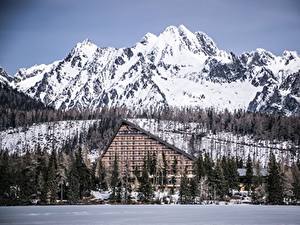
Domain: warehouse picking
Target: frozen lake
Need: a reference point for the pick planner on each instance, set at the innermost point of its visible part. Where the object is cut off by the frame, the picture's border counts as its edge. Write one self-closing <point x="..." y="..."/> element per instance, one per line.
<point x="151" y="214"/>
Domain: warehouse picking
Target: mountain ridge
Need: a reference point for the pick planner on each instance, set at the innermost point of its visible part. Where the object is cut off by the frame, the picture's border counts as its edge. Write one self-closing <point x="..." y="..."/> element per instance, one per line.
<point x="175" y="68"/>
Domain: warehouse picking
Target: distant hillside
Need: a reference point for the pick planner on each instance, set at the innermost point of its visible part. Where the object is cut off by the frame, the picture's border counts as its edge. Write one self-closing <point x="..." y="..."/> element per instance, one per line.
<point x="17" y="108"/>
<point x="15" y="100"/>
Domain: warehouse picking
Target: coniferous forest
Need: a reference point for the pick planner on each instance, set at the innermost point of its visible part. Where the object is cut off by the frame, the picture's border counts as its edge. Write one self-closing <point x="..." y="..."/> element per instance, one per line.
<point x="64" y="176"/>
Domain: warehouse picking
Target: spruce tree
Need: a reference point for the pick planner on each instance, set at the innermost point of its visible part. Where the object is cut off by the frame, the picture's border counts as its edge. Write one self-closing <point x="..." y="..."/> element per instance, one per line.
<point x="164" y="169"/>
<point x="193" y="189"/>
<point x="174" y="173"/>
<point x="199" y="169"/>
<point x="208" y="167"/>
<point x="274" y="182"/>
<point x="84" y="175"/>
<point x="258" y="189"/>
<point x="153" y="164"/>
<point x="184" y="192"/>
<point x="249" y="174"/>
<point x="126" y="184"/>
<point x="219" y="181"/>
<point x="119" y="192"/>
<point x="73" y="190"/>
<point x="5" y="176"/>
<point x="225" y="165"/>
<point x="115" y="180"/>
<point x="52" y="181"/>
<point x="145" y="189"/>
<point x="41" y="175"/>
<point x="94" y="176"/>
<point x="233" y="176"/>
<point x="102" y="176"/>
<point x="27" y="178"/>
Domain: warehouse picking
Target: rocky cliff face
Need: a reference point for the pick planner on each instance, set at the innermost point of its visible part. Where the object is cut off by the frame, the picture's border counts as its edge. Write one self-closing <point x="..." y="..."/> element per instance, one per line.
<point x="175" y="68"/>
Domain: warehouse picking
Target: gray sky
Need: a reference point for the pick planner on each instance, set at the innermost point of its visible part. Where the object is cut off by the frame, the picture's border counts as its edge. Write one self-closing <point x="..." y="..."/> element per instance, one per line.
<point x="42" y="31"/>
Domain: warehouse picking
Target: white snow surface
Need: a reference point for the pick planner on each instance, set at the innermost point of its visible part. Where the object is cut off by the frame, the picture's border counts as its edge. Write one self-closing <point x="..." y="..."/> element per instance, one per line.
<point x="151" y="215"/>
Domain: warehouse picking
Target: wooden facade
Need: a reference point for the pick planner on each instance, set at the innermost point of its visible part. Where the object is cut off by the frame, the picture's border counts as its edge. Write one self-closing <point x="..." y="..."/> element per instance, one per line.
<point x="131" y="144"/>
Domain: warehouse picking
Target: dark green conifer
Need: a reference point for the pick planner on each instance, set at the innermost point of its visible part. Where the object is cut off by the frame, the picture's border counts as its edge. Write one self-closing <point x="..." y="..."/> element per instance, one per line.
<point x="115" y="180"/>
<point x="274" y="182"/>
<point x="249" y="174"/>
<point x="184" y="191"/>
<point x="145" y="189"/>
<point x="73" y="190"/>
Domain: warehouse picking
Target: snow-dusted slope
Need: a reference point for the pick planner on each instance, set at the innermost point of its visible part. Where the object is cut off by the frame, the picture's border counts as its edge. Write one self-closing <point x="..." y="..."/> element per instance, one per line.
<point x="47" y="135"/>
<point x="194" y="138"/>
<point x="190" y="137"/>
<point x="177" y="68"/>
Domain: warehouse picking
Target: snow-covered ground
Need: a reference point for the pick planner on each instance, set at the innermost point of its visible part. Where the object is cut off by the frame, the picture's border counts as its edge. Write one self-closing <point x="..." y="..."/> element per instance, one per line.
<point x="47" y="135"/>
<point x="151" y="215"/>
<point x="190" y="137"/>
<point x="219" y="144"/>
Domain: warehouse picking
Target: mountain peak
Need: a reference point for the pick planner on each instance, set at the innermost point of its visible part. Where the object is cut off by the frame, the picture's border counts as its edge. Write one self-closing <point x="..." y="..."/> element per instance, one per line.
<point x="4" y="77"/>
<point x="195" y="42"/>
<point x="148" y="38"/>
<point x="86" y="48"/>
<point x="183" y="28"/>
<point x="87" y="42"/>
<point x="171" y="28"/>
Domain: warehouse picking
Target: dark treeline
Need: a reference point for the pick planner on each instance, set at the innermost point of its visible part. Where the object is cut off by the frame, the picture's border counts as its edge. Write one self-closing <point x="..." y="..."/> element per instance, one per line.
<point x="220" y="180"/>
<point x="62" y="177"/>
<point x="44" y="177"/>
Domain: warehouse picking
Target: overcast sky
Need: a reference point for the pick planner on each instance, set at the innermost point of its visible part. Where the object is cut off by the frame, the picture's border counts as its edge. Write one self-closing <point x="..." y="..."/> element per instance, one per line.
<point x="42" y="31"/>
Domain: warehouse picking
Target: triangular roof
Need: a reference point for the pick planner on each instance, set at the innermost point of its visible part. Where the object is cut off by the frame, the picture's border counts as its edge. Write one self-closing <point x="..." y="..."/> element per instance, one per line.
<point x="125" y="122"/>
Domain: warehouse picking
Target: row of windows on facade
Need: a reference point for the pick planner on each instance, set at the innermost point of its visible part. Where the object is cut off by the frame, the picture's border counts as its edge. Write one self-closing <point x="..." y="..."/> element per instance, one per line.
<point x="130" y="136"/>
<point x="145" y="142"/>
<point x="120" y="153"/>
<point x="139" y="167"/>
<point x="140" y="151"/>
<point x="140" y="147"/>
<point x="140" y="159"/>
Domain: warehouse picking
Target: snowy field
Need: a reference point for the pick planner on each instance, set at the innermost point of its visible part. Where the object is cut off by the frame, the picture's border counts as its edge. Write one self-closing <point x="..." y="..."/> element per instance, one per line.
<point x="151" y="215"/>
<point x="219" y="144"/>
<point x="45" y="134"/>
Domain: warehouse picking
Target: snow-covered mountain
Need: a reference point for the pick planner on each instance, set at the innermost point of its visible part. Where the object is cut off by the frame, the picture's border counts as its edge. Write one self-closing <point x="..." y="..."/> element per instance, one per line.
<point x="175" y="68"/>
